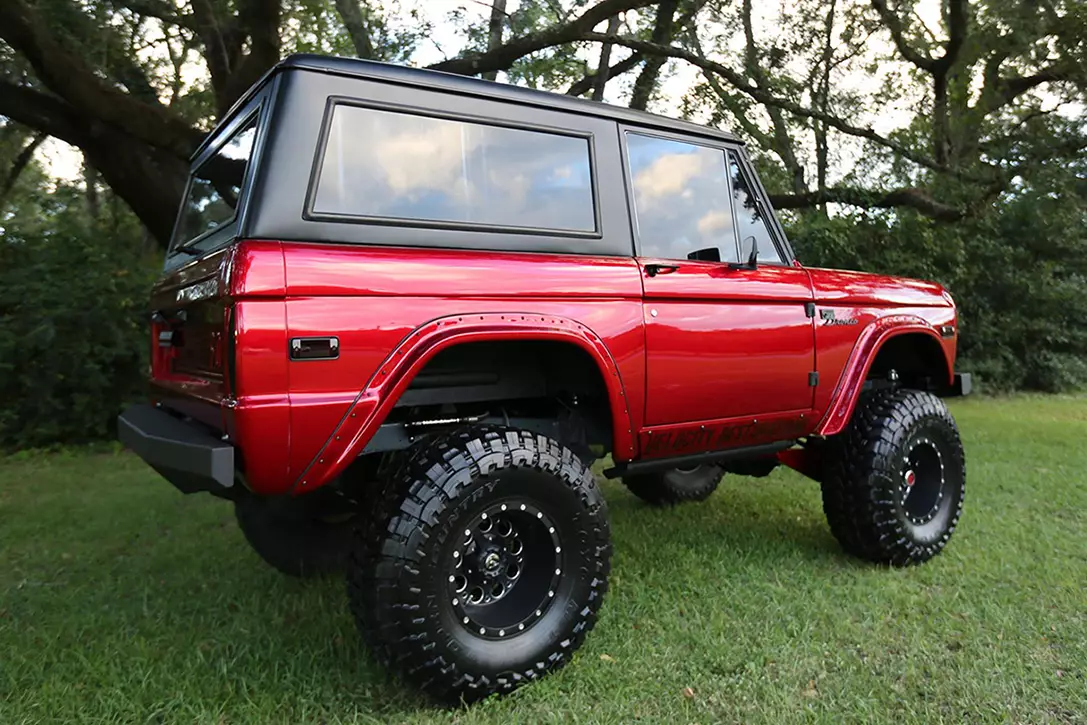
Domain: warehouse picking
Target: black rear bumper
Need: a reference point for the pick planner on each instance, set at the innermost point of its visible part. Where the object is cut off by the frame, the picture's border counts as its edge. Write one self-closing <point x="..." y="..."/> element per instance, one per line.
<point x="187" y="456"/>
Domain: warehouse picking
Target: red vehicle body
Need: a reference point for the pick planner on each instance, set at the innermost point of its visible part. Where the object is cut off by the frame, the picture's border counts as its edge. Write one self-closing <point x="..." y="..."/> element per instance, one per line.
<point x="659" y="341"/>
<point x="413" y="353"/>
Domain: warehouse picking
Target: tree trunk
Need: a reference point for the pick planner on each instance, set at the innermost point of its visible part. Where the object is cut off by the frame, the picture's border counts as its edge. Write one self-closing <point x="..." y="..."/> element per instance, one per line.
<point x="90" y="181"/>
<point x="494" y="31"/>
<point x="601" y="78"/>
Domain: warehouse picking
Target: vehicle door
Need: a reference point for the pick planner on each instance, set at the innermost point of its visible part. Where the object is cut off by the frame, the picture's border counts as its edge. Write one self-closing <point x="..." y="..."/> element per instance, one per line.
<point x="726" y="342"/>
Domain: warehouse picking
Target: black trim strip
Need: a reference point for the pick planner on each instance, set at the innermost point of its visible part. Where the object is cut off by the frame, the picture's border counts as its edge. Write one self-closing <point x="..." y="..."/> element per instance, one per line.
<point x="664" y="464"/>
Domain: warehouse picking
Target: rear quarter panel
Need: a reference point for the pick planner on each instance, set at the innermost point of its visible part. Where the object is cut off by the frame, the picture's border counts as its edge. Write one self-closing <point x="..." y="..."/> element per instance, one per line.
<point x="375" y="298"/>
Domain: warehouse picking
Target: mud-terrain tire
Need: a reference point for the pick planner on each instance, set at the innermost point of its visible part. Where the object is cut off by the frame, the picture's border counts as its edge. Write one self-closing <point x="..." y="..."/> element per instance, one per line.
<point x="491" y="565"/>
<point x="296" y="542"/>
<point x="668" y="488"/>
<point x="894" y="480"/>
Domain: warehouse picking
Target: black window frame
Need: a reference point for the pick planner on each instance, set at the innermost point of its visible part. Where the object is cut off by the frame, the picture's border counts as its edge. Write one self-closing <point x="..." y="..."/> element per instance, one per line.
<point x="256" y="113"/>
<point x="773" y="225"/>
<point x="777" y="234"/>
<point x="624" y="132"/>
<point x="335" y="101"/>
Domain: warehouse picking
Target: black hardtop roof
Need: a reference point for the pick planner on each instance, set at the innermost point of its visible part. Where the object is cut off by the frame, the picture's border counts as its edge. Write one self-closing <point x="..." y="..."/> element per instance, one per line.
<point x="469" y="86"/>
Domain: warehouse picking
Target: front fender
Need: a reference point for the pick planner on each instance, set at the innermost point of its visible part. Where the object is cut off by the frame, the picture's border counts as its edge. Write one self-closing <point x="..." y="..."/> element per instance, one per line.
<point x="868" y="344"/>
<point x="377" y="398"/>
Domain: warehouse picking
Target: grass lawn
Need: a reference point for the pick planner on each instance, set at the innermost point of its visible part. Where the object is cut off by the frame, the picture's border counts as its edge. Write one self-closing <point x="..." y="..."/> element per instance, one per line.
<point x="124" y="601"/>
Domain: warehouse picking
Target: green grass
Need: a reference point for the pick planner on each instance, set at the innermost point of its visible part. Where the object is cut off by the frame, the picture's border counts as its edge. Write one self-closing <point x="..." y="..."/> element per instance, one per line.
<point x="123" y="601"/>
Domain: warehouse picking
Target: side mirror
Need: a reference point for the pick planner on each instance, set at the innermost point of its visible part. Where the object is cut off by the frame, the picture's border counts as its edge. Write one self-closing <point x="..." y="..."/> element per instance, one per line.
<point x="752" y="245"/>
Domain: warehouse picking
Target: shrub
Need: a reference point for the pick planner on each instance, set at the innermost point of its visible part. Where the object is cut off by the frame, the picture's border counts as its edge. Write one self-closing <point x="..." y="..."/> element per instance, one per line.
<point x="73" y="333"/>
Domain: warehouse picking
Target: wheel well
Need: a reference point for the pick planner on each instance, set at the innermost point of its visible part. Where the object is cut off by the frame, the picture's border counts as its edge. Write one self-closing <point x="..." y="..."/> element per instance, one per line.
<point x="916" y="358"/>
<point x="513" y="379"/>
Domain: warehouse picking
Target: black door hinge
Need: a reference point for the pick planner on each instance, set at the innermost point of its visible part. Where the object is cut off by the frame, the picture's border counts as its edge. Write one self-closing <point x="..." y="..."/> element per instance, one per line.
<point x="813" y="379"/>
<point x="809" y="309"/>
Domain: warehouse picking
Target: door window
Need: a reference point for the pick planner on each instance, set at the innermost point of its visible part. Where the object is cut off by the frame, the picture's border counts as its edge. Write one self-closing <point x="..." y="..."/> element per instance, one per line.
<point x="681" y="200"/>
<point x="750" y="215"/>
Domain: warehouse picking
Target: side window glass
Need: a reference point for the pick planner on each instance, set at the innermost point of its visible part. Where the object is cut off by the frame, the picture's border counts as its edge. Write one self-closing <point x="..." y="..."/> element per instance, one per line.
<point x="393" y="165"/>
<point x="750" y="221"/>
<point x="216" y="184"/>
<point x="681" y="202"/>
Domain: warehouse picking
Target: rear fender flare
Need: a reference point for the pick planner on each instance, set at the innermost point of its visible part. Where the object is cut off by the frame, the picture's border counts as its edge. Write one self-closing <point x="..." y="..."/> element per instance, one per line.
<point x="394" y="375"/>
<point x="869" y="342"/>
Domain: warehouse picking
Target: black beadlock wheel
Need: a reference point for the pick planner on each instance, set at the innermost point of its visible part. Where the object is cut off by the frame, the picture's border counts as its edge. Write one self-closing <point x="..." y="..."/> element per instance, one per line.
<point x="293" y="540"/>
<point x="490" y="567"/>
<point x="895" y="479"/>
<point x="675" y="486"/>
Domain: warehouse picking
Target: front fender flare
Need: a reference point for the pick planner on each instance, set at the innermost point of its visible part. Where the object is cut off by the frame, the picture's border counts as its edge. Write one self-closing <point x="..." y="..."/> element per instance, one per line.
<point x="871" y="339"/>
<point x="394" y="375"/>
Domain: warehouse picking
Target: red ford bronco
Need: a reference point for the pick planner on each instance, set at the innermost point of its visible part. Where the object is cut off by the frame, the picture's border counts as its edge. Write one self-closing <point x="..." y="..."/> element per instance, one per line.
<point x="403" y="312"/>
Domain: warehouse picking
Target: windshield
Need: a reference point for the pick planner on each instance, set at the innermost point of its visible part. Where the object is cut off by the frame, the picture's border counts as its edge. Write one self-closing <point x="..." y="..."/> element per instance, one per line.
<point x="216" y="184"/>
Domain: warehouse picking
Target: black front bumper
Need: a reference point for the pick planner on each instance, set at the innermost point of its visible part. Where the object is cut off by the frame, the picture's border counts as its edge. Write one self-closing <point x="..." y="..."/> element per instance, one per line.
<point x="186" y="455"/>
<point x="961" y="385"/>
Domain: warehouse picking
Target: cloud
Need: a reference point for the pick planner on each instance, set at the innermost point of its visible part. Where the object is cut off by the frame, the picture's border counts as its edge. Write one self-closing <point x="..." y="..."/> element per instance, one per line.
<point x="669" y="175"/>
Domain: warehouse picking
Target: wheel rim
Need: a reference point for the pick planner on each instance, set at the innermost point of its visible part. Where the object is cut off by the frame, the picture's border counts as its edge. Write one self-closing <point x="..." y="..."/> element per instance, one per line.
<point x="922" y="488"/>
<point x="504" y="570"/>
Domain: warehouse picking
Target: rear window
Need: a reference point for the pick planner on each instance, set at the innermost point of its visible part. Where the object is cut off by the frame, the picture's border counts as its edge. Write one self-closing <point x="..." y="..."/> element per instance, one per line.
<point x="386" y="165"/>
<point x="212" y="199"/>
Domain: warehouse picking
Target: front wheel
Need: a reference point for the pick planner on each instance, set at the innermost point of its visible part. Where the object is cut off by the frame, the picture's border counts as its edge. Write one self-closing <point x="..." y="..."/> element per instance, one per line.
<point x="490" y="567"/>
<point x="895" y="479"/>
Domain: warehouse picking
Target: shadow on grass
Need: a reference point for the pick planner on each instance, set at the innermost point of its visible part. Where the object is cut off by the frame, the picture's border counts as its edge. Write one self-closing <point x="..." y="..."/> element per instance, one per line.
<point x="169" y="611"/>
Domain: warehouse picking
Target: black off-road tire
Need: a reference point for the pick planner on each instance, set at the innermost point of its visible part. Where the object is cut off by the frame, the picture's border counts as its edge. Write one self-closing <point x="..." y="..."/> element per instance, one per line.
<point x="414" y="583"/>
<point x="894" y="480"/>
<point x="295" y="541"/>
<point x="668" y="488"/>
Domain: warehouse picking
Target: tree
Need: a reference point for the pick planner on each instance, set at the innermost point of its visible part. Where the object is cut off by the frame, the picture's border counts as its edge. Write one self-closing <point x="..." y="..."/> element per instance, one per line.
<point x="984" y="84"/>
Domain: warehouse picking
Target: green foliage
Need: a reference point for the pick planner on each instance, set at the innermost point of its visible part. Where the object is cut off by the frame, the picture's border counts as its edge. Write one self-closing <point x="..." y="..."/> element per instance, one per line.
<point x="73" y="337"/>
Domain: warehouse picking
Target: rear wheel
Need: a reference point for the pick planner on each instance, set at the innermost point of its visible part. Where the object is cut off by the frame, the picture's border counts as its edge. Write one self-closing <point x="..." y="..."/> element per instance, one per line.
<point x="695" y="483"/>
<point x="490" y="567"/>
<point x="296" y="540"/>
<point x="895" y="479"/>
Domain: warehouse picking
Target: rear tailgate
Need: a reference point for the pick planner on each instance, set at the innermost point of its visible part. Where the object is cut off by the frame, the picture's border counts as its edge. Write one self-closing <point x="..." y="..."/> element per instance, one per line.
<point x="191" y="339"/>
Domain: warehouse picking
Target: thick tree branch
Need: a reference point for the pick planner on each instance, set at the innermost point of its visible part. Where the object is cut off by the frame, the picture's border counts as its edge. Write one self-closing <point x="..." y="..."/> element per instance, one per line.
<point x="148" y="179"/>
<point x="494" y="31"/>
<point x="72" y="79"/>
<point x="222" y="46"/>
<point x="260" y="20"/>
<point x="503" y="57"/>
<point x="351" y="15"/>
<point x="763" y="96"/>
<point x="1003" y="91"/>
<point x="893" y="24"/>
<point x="646" y="82"/>
<point x="160" y="11"/>
<point x="910" y="198"/>
<point x="782" y="141"/>
<point x="600" y="78"/>
<point x="42" y="112"/>
<point x="956" y="35"/>
<point x="583" y="86"/>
